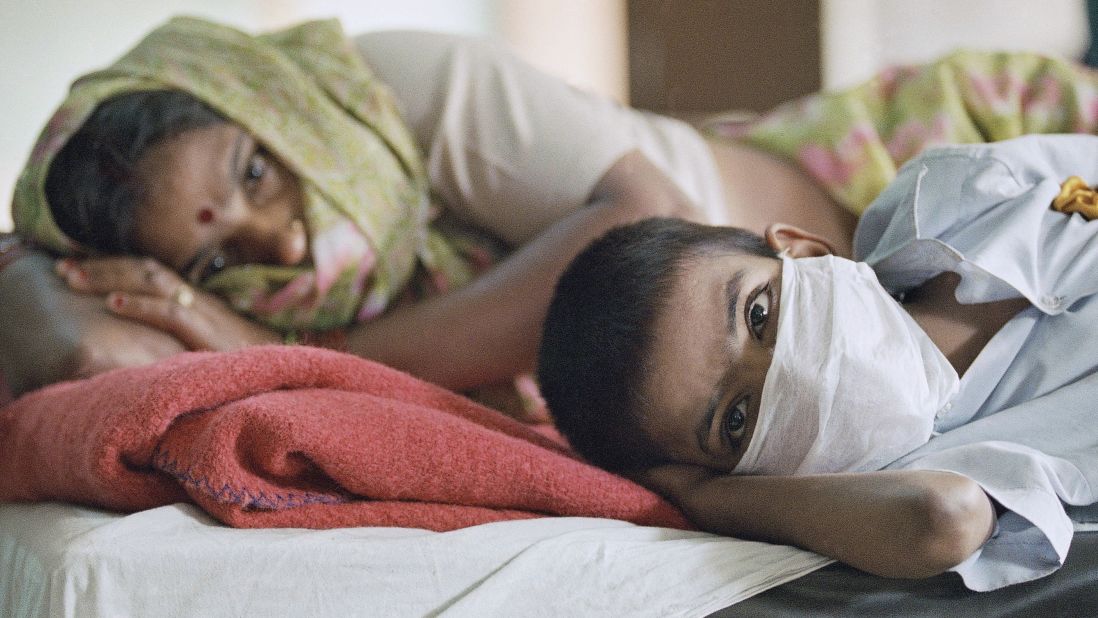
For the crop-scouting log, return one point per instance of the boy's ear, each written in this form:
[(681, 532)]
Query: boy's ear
[(796, 242)]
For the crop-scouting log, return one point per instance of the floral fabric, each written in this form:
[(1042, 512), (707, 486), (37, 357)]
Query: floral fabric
[(853, 141)]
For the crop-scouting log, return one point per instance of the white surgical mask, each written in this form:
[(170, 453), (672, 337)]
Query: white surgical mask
[(854, 382)]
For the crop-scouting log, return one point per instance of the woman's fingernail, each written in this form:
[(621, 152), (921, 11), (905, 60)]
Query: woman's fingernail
[(77, 276), (116, 300), (64, 265)]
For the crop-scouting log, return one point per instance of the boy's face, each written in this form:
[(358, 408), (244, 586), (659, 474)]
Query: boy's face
[(711, 349)]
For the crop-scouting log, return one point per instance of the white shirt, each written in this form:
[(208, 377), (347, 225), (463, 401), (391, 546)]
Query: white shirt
[(513, 150), (1024, 424)]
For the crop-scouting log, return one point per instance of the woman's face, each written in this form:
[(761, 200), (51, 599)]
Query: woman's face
[(216, 198)]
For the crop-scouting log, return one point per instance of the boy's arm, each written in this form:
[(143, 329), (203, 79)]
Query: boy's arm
[(49, 333), (903, 523)]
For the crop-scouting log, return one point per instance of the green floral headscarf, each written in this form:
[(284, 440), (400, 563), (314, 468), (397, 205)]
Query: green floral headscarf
[(307, 95)]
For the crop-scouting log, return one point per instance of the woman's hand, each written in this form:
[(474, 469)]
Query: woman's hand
[(148, 292)]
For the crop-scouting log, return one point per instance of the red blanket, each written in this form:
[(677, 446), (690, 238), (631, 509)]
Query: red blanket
[(297, 437)]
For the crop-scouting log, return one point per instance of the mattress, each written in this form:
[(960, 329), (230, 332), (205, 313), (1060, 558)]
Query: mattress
[(64, 560)]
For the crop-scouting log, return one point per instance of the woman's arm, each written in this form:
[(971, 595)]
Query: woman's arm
[(902, 523), (489, 330)]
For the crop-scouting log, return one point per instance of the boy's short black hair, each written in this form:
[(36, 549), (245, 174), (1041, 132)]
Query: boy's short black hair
[(598, 331), (93, 186)]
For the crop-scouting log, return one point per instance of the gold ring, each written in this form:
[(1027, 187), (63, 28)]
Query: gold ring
[(183, 296)]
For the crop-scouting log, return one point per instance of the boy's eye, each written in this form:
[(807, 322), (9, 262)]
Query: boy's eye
[(758, 310), (734, 424)]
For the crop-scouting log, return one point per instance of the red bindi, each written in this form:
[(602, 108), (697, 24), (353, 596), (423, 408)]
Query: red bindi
[(205, 215)]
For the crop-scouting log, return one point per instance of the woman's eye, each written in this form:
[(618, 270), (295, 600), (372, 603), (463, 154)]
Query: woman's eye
[(734, 425), (209, 268), (758, 312), (256, 168), (216, 265)]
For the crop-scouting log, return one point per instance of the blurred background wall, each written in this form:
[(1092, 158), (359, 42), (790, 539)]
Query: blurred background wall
[(679, 56), (860, 36), (690, 57)]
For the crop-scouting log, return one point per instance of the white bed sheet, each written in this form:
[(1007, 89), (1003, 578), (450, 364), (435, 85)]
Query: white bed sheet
[(65, 560)]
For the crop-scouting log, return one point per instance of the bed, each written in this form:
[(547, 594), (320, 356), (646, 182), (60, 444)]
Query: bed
[(66, 560), (177, 556), (295, 480), (130, 518)]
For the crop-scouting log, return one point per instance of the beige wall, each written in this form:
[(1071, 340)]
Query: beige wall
[(582, 41), (861, 36)]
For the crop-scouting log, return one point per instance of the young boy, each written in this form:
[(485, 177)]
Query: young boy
[(696, 359)]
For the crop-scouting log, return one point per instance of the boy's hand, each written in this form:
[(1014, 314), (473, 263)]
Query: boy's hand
[(48, 333)]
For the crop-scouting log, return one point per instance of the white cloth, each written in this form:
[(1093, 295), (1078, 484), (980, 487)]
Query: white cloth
[(1024, 423), (854, 382), (513, 150), (64, 560)]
